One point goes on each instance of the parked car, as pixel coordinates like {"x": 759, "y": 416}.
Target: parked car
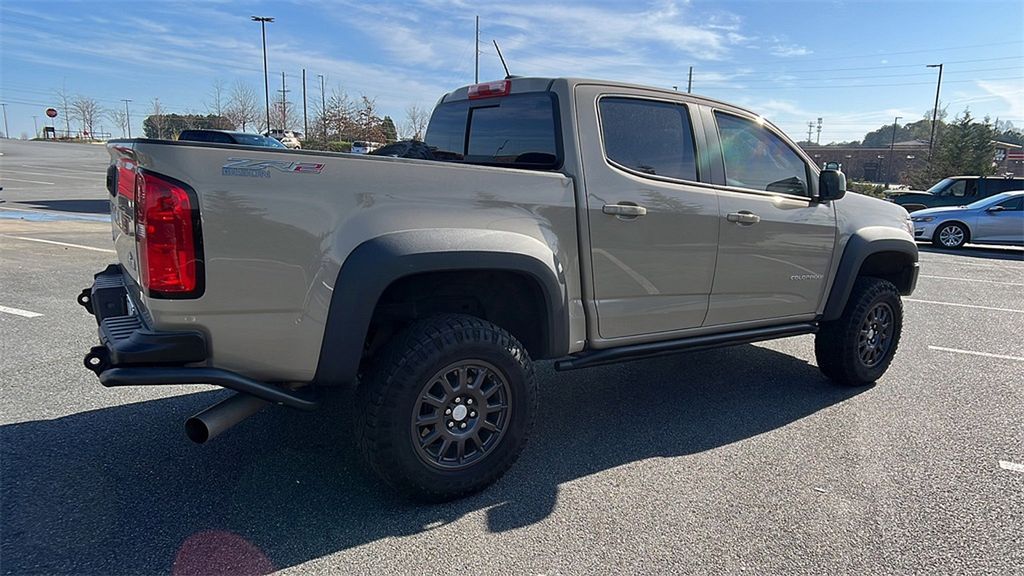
{"x": 361, "y": 147}
{"x": 289, "y": 138}
{"x": 229, "y": 137}
{"x": 582, "y": 221}
{"x": 995, "y": 220}
{"x": 956, "y": 191}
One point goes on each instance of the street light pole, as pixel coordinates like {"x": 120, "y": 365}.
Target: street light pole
{"x": 935, "y": 114}
{"x": 323, "y": 108}
{"x": 892, "y": 144}
{"x": 7, "y": 132}
{"x": 266, "y": 79}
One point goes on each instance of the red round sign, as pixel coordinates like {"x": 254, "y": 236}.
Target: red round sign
{"x": 51, "y": 112}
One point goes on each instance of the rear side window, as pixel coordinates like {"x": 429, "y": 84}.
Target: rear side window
{"x": 649, "y": 137}
{"x": 758, "y": 159}
{"x": 519, "y": 130}
{"x": 1004, "y": 185}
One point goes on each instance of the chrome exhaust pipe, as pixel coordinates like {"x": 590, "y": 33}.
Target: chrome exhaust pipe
{"x": 209, "y": 423}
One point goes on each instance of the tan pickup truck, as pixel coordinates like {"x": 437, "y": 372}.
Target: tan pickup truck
{"x": 585, "y": 222}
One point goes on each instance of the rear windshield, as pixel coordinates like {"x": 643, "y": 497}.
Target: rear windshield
{"x": 518, "y": 131}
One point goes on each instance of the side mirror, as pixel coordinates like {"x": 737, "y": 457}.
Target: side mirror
{"x": 831, "y": 185}
{"x": 996, "y": 208}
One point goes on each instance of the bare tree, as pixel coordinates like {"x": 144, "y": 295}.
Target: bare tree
{"x": 64, "y": 101}
{"x": 119, "y": 117}
{"x": 369, "y": 126}
{"x": 218, "y": 98}
{"x": 243, "y": 105}
{"x": 87, "y": 111}
{"x": 158, "y": 118}
{"x": 416, "y": 120}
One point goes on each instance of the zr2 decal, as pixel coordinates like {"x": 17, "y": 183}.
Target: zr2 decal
{"x": 262, "y": 168}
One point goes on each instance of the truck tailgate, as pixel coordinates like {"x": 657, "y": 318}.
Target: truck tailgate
{"x": 121, "y": 186}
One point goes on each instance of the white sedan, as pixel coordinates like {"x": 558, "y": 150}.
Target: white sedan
{"x": 997, "y": 219}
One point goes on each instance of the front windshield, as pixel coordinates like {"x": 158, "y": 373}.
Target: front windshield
{"x": 991, "y": 200}
{"x": 946, "y": 187}
{"x": 257, "y": 140}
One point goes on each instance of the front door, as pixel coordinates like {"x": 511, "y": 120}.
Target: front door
{"x": 653, "y": 225}
{"x": 775, "y": 241}
{"x": 1006, "y": 225}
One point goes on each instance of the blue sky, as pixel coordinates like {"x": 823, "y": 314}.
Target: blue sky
{"x": 855, "y": 64}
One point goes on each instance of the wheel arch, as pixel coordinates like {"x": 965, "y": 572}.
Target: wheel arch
{"x": 880, "y": 252}
{"x": 961, "y": 223}
{"x": 379, "y": 264}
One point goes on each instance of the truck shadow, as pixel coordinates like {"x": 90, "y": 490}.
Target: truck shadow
{"x": 119, "y": 490}
{"x": 85, "y": 206}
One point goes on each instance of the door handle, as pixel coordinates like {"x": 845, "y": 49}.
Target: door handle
{"x": 624, "y": 210}
{"x": 743, "y": 217}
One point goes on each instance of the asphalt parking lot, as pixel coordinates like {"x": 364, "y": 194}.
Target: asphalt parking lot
{"x": 736, "y": 460}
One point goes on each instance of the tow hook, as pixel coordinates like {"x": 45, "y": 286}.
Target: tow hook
{"x": 98, "y": 359}
{"x": 85, "y": 299}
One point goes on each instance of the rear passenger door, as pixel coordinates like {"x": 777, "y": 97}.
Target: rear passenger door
{"x": 653, "y": 225}
{"x": 775, "y": 240}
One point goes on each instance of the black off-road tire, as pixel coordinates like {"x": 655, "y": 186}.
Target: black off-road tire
{"x": 392, "y": 399}
{"x": 842, "y": 345}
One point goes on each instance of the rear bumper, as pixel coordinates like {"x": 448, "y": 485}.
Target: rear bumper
{"x": 130, "y": 353}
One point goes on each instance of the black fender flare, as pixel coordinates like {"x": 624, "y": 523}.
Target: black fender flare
{"x": 858, "y": 248}
{"x": 377, "y": 263}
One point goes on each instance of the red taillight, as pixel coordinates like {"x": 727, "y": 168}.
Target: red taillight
{"x": 167, "y": 236}
{"x": 490, "y": 89}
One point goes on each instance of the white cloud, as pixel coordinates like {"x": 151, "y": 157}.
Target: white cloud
{"x": 1011, "y": 93}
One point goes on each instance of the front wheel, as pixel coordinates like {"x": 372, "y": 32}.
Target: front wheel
{"x": 857, "y": 348}
{"x": 447, "y": 408}
{"x": 952, "y": 235}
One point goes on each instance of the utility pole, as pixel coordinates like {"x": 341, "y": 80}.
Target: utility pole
{"x": 266, "y": 79}
{"x": 810, "y": 130}
{"x": 128, "y": 115}
{"x": 689, "y": 81}
{"x": 323, "y": 107}
{"x": 284, "y": 104}
{"x": 819, "y": 132}
{"x": 305, "y": 118}
{"x": 7, "y": 133}
{"x": 935, "y": 114}
{"x": 892, "y": 144}
{"x": 35, "y": 125}
{"x": 476, "y": 52}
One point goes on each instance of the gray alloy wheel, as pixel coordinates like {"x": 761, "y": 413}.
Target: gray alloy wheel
{"x": 875, "y": 335}
{"x": 951, "y": 235}
{"x": 461, "y": 415}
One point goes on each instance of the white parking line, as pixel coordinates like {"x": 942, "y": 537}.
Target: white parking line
{"x": 977, "y": 264}
{"x": 19, "y": 312}
{"x": 61, "y": 244}
{"x": 973, "y": 353}
{"x": 963, "y": 305}
{"x": 973, "y": 280}
{"x": 9, "y": 179}
{"x": 1012, "y": 466}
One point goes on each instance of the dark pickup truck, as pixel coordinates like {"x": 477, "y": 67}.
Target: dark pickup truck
{"x": 956, "y": 191}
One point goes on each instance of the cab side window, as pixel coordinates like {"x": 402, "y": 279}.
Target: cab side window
{"x": 648, "y": 137}
{"x": 958, "y": 189}
{"x": 758, "y": 159}
{"x": 971, "y": 188}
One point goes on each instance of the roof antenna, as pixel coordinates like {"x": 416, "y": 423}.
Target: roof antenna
{"x": 507, "y": 75}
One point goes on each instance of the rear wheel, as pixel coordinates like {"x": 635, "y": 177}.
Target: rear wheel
{"x": 857, "y": 348}
{"x": 951, "y": 235}
{"x": 447, "y": 408}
